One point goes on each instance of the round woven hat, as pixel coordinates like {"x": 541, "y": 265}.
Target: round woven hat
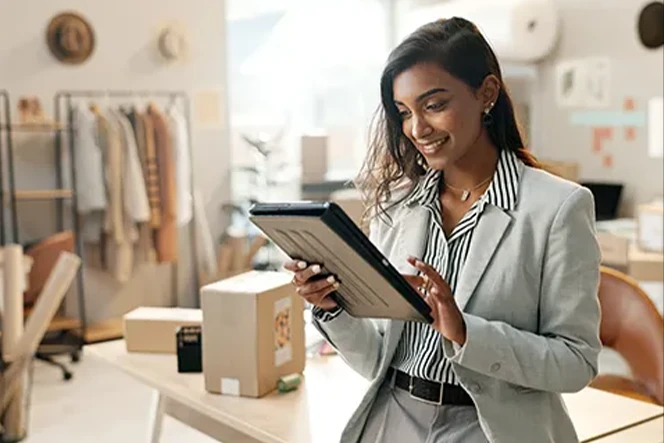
{"x": 651, "y": 25}
{"x": 70, "y": 38}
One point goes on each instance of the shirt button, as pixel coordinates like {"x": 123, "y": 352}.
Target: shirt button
{"x": 495, "y": 367}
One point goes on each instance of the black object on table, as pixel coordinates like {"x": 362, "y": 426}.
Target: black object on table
{"x": 189, "y": 341}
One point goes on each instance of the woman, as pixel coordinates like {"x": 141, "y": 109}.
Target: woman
{"x": 504, "y": 253}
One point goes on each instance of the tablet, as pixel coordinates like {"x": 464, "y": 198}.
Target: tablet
{"x": 321, "y": 232}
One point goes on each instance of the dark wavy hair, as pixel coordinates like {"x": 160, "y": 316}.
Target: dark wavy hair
{"x": 460, "y": 49}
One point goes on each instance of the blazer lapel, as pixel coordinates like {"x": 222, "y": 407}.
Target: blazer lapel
{"x": 488, "y": 234}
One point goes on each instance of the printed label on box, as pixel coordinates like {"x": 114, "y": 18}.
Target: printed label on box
{"x": 230, "y": 386}
{"x": 283, "y": 350}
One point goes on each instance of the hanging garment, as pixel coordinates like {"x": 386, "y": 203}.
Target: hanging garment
{"x": 88, "y": 166}
{"x": 151, "y": 170}
{"x": 181, "y": 150}
{"x": 117, "y": 249}
{"x": 166, "y": 238}
{"x": 146, "y": 248}
{"x": 134, "y": 193}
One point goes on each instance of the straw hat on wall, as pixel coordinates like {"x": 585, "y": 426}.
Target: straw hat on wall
{"x": 70, "y": 38}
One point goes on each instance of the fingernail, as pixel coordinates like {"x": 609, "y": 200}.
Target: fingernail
{"x": 302, "y": 265}
{"x": 336, "y": 285}
{"x": 331, "y": 279}
{"x": 315, "y": 269}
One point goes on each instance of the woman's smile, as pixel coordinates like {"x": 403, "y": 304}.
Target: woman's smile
{"x": 431, "y": 148}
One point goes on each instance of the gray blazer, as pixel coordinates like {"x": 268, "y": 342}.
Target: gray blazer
{"x": 529, "y": 297}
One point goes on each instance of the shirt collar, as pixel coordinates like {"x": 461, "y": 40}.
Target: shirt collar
{"x": 426, "y": 189}
{"x": 502, "y": 192}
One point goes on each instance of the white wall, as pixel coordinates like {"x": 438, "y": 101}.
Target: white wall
{"x": 606, "y": 29}
{"x": 124, "y": 58}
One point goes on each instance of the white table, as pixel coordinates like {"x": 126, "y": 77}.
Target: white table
{"x": 319, "y": 409}
{"x": 651, "y": 431}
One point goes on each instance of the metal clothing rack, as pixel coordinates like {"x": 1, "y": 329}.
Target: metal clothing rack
{"x": 63, "y": 101}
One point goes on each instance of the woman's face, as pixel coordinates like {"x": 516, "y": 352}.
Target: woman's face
{"x": 440, "y": 114}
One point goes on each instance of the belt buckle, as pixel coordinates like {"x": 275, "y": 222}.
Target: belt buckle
{"x": 424, "y": 400}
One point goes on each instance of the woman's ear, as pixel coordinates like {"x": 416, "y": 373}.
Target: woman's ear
{"x": 489, "y": 91}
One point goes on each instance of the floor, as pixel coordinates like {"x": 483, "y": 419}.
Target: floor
{"x": 100, "y": 404}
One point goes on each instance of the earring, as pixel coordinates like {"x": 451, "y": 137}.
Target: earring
{"x": 487, "y": 118}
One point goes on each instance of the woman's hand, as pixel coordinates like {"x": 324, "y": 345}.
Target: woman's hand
{"x": 315, "y": 291}
{"x": 447, "y": 318}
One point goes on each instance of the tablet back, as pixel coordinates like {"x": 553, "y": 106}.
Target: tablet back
{"x": 320, "y": 232}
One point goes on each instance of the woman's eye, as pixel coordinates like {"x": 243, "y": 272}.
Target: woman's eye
{"x": 403, "y": 114}
{"x": 435, "y": 106}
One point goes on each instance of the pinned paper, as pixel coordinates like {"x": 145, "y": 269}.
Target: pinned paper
{"x": 607, "y": 161}
{"x": 569, "y": 76}
{"x": 584, "y": 82}
{"x": 655, "y": 127}
{"x": 208, "y": 108}
{"x": 597, "y": 82}
{"x": 630, "y": 131}
{"x": 608, "y": 118}
{"x": 599, "y": 135}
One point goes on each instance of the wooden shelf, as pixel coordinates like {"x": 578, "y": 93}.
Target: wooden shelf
{"x": 41, "y": 194}
{"x": 110, "y": 329}
{"x": 59, "y": 322}
{"x": 34, "y": 127}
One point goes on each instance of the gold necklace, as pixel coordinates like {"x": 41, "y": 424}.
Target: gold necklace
{"x": 465, "y": 193}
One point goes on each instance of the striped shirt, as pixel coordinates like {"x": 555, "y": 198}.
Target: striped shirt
{"x": 420, "y": 349}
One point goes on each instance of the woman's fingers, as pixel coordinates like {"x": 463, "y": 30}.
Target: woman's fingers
{"x": 427, "y": 270}
{"x": 304, "y": 276}
{"x": 318, "y": 285}
{"x": 321, "y": 297}
{"x": 295, "y": 265}
{"x": 416, "y": 281}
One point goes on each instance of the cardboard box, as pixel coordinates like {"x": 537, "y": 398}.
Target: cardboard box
{"x": 253, "y": 333}
{"x": 566, "y": 170}
{"x": 650, "y": 224}
{"x": 645, "y": 266}
{"x": 314, "y": 158}
{"x": 614, "y": 248}
{"x": 152, "y": 329}
{"x": 350, "y": 201}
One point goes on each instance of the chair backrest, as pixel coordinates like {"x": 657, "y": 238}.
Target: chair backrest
{"x": 633, "y": 327}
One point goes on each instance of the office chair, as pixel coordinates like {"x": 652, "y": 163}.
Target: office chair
{"x": 45, "y": 255}
{"x": 632, "y": 326}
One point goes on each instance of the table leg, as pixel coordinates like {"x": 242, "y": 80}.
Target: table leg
{"x": 156, "y": 416}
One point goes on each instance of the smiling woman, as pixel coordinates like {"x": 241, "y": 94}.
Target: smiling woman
{"x": 443, "y": 100}
{"x": 504, "y": 254}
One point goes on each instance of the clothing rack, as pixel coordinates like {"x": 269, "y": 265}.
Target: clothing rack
{"x": 63, "y": 106}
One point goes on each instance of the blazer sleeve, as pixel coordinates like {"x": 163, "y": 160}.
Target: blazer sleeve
{"x": 563, "y": 356}
{"x": 359, "y": 341}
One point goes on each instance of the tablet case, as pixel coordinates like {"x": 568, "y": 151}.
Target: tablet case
{"x": 320, "y": 232}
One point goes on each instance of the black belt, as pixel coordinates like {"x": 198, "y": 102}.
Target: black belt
{"x": 430, "y": 391}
